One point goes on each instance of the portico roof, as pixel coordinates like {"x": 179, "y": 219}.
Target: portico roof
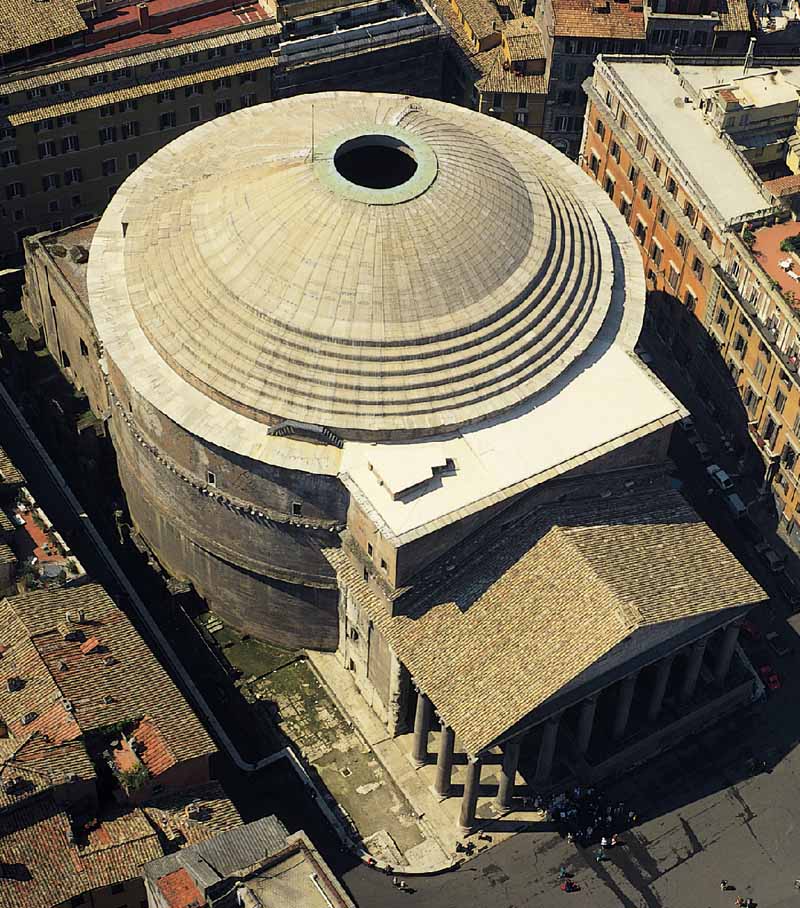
{"x": 550, "y": 597}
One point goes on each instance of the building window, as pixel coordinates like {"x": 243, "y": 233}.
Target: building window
{"x": 15, "y": 191}
{"x": 50, "y": 181}
{"x": 614, "y": 150}
{"x": 633, "y": 173}
{"x": 73, "y": 175}
{"x": 159, "y": 66}
{"x": 594, "y": 164}
{"x": 47, "y": 150}
{"x": 251, "y": 101}
{"x": 353, "y": 634}
{"x": 108, "y": 167}
{"x": 641, "y": 144}
{"x": 369, "y": 549}
{"x": 107, "y": 134}
{"x": 680, "y": 242}
{"x": 672, "y": 187}
{"x": 690, "y": 300}
{"x": 245, "y": 78}
{"x": 625, "y": 206}
{"x": 216, "y": 52}
{"x": 641, "y": 231}
{"x": 9, "y": 157}
{"x": 131, "y": 104}
{"x": 130, "y": 129}
{"x": 211, "y": 478}
{"x": 657, "y": 166}
{"x": 521, "y": 118}
{"x": 522, "y": 100}
{"x": 674, "y": 275}
{"x": 697, "y": 268}
{"x": 600, "y": 128}
{"x": 789, "y": 456}
{"x": 740, "y": 345}
{"x": 647, "y": 195}
{"x": 133, "y": 160}
{"x": 705, "y": 233}
{"x": 623, "y": 119}
{"x": 193, "y": 90}
{"x": 84, "y": 348}
{"x": 188, "y": 58}
{"x": 194, "y": 114}
{"x": 167, "y": 120}
{"x": 750, "y": 399}
{"x": 722, "y": 318}
{"x": 297, "y": 509}
{"x": 217, "y": 84}
{"x": 384, "y": 566}
{"x": 688, "y": 210}
{"x": 656, "y": 252}
{"x": 222, "y": 107}
{"x": 106, "y": 110}
{"x": 609, "y": 186}
{"x": 69, "y": 144}
{"x": 780, "y": 400}
{"x": 168, "y": 95}
{"x": 796, "y": 426}
{"x": 663, "y": 218}
{"x": 760, "y": 370}
{"x": 98, "y": 79}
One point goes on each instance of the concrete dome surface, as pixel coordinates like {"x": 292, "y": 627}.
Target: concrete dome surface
{"x": 379, "y": 265}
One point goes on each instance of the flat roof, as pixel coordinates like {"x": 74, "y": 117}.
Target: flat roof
{"x": 714, "y": 166}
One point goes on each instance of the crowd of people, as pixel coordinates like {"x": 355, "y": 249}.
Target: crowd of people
{"x": 584, "y": 816}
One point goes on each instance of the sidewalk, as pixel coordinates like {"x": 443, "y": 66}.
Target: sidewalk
{"x": 437, "y": 818}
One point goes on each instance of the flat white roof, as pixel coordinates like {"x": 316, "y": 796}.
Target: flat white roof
{"x": 711, "y": 163}
{"x": 608, "y": 402}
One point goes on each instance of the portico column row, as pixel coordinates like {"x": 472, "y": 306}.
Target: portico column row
{"x": 659, "y": 688}
{"x": 422, "y": 725}
{"x": 723, "y": 662}
{"x": 586, "y": 723}
{"x": 624, "y": 699}
{"x": 508, "y": 774}
{"x": 693, "y": 666}
{"x": 444, "y": 761}
{"x": 469, "y": 800}
{"x": 547, "y": 749}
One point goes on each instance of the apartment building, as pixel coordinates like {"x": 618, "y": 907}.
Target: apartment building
{"x": 72, "y": 130}
{"x": 701, "y": 160}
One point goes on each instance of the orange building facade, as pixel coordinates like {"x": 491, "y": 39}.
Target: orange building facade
{"x": 719, "y": 287}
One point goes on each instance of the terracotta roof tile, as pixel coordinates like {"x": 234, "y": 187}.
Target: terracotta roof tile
{"x": 498, "y": 78}
{"x": 583, "y": 19}
{"x": 24, "y": 23}
{"x": 547, "y": 599}
{"x": 734, "y": 16}
{"x": 8, "y": 472}
{"x": 179, "y": 890}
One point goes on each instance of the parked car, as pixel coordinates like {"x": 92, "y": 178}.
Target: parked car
{"x": 704, "y": 451}
{"x": 735, "y": 505}
{"x": 770, "y": 677}
{"x": 750, "y": 531}
{"x": 777, "y": 644}
{"x": 790, "y": 593}
{"x": 750, "y": 630}
{"x": 719, "y": 476}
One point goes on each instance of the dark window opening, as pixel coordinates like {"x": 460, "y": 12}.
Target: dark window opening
{"x": 84, "y": 348}
{"x": 297, "y": 509}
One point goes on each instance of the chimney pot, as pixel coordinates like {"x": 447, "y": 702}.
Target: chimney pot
{"x": 144, "y": 16}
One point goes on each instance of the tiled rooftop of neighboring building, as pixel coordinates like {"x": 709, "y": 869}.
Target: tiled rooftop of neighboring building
{"x": 598, "y": 19}
{"x": 49, "y": 865}
{"x": 482, "y": 16}
{"x": 9, "y": 474}
{"x": 499, "y": 78}
{"x": 71, "y": 687}
{"x": 734, "y": 16}
{"x": 768, "y": 252}
{"x": 25, "y": 23}
{"x": 53, "y": 858}
{"x": 493, "y": 639}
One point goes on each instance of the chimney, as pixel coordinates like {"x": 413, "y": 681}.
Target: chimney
{"x": 144, "y": 16}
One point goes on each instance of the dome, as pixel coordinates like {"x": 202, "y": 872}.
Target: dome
{"x": 378, "y": 265}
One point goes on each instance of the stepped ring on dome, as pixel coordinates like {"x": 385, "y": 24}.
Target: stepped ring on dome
{"x": 377, "y": 164}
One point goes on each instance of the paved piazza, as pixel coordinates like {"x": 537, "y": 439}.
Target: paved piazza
{"x": 706, "y": 817}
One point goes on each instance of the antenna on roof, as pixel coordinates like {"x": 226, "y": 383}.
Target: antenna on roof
{"x": 748, "y": 60}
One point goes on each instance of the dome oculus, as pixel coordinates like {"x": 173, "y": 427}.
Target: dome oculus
{"x": 375, "y": 161}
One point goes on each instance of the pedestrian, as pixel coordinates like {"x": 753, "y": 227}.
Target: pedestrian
{"x": 614, "y": 840}
{"x": 600, "y": 855}
{"x": 570, "y": 838}
{"x": 395, "y": 882}
{"x": 604, "y": 841}
{"x": 723, "y": 885}
{"x": 562, "y": 872}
